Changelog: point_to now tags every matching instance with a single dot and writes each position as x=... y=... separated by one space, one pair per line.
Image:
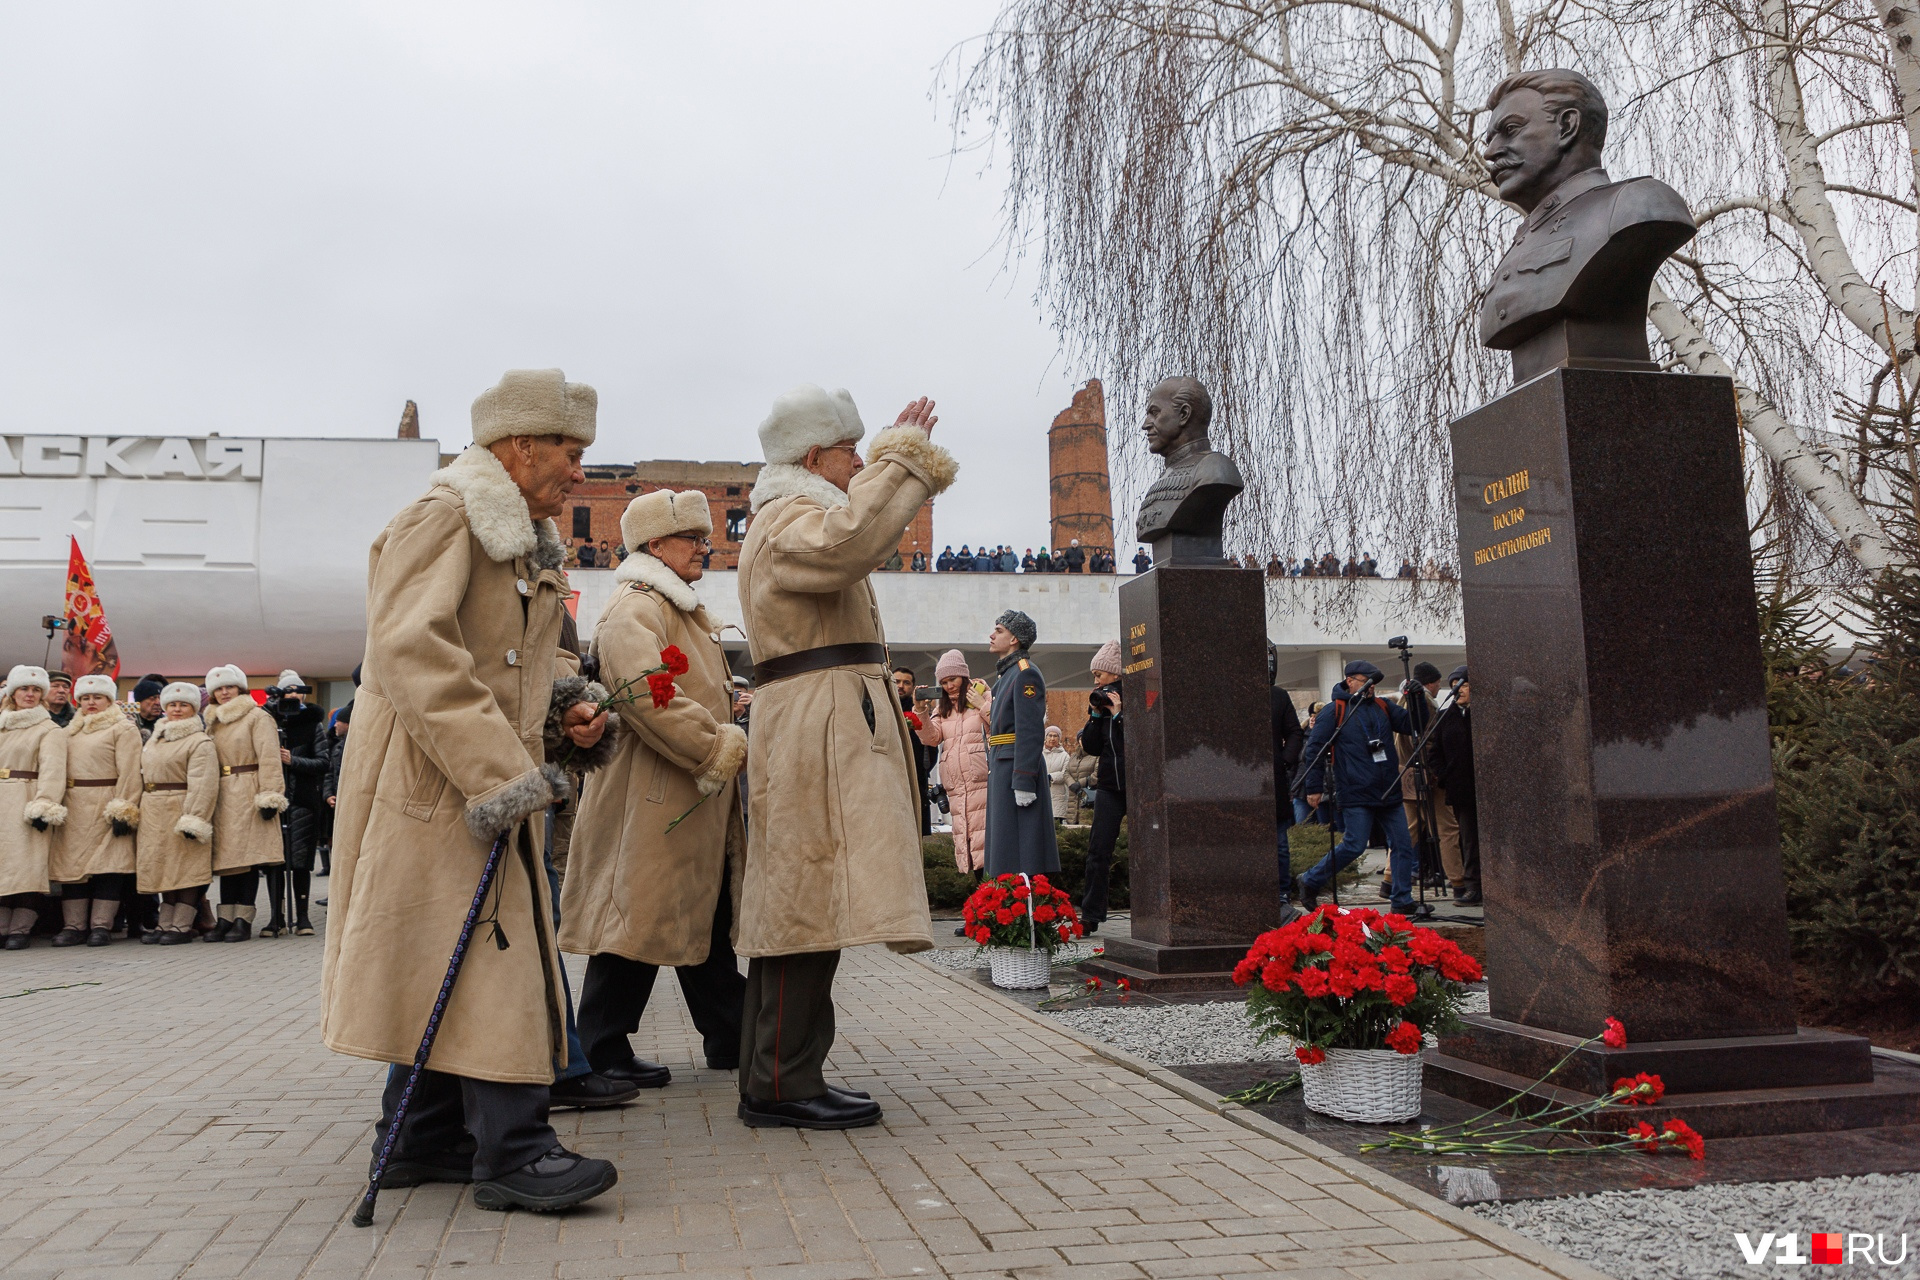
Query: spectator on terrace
x=1043 y=563
x=1406 y=568
x=1076 y=558
x=1027 y=561
x=1351 y=569
x=1009 y=562
x=919 y=561
x=1369 y=567
x=586 y=555
x=945 y=563
x=983 y=560
x=1142 y=561
x=894 y=563
x=1276 y=568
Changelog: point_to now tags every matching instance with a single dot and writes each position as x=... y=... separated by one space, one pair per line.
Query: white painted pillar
x=1330 y=668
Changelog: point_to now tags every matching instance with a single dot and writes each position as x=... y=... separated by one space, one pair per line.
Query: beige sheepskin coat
x=464 y=601
x=175 y=842
x=833 y=855
x=633 y=888
x=244 y=734
x=101 y=746
x=30 y=742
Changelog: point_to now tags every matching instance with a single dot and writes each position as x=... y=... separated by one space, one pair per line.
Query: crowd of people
x=1001 y=558
x=1330 y=565
x=123 y=814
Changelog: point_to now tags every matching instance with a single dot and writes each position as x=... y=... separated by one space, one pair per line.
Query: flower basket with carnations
x=1020 y=920
x=1357 y=990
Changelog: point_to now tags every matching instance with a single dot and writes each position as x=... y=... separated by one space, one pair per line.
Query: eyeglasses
x=696 y=539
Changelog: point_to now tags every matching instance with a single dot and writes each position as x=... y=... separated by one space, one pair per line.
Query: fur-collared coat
x=101 y=745
x=633 y=888
x=464 y=600
x=833 y=839
x=961 y=736
x=30 y=742
x=175 y=841
x=246 y=830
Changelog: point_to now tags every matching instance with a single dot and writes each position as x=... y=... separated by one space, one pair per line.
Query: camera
x=925 y=693
x=1100 y=700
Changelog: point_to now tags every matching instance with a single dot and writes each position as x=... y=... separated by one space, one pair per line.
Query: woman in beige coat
x=93 y=851
x=181 y=785
x=637 y=895
x=33 y=788
x=253 y=791
x=959 y=728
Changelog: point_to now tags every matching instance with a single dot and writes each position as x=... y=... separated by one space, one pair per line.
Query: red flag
x=88 y=648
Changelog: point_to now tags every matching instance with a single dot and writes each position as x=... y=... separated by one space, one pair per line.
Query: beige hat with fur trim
x=94 y=684
x=23 y=676
x=535 y=402
x=181 y=691
x=221 y=677
x=657 y=514
x=807 y=416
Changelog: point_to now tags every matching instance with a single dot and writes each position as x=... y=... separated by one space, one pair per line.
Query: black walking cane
x=363 y=1216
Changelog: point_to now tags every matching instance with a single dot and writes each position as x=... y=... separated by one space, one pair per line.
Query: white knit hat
x=657 y=514
x=181 y=691
x=22 y=676
x=221 y=677
x=952 y=663
x=94 y=684
x=535 y=402
x=1108 y=659
x=288 y=679
x=807 y=416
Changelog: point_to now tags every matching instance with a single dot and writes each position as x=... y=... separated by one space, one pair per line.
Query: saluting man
x=1019 y=800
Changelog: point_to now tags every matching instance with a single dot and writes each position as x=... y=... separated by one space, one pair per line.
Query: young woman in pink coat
x=959 y=729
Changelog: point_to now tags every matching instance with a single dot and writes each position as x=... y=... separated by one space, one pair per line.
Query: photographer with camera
x=1104 y=738
x=1353 y=736
x=1453 y=765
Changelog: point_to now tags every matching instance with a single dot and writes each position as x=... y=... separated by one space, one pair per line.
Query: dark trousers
x=1468 y=816
x=240 y=888
x=616 y=991
x=507 y=1123
x=787 y=1026
x=105 y=887
x=1108 y=808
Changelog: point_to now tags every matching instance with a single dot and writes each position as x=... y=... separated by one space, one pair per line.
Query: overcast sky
x=290 y=219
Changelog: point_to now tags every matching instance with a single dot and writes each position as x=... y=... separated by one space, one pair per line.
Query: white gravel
x=964 y=958
x=1177 y=1034
x=1664 y=1235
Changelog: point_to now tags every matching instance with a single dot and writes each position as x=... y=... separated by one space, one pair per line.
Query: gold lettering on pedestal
x=1501 y=490
x=1507 y=519
x=1132 y=667
x=1514 y=546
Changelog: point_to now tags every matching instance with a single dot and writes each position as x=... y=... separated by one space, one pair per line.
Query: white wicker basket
x=1018 y=969
x=1373 y=1086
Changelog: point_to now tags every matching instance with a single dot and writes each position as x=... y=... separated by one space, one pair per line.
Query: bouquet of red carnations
x=1021 y=911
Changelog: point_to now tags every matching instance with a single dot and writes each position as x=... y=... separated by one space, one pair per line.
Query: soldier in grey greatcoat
x=1020 y=835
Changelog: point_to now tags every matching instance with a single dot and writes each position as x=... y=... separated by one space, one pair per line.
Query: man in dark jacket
x=1020 y=835
x=1365 y=768
x=923 y=755
x=1076 y=558
x=1453 y=763
x=1288 y=739
x=305 y=751
x=1104 y=738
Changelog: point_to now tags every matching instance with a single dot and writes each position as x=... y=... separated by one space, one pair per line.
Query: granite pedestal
x=1630 y=852
x=1202 y=866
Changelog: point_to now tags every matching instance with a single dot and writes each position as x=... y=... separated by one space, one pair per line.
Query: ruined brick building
x=1078 y=490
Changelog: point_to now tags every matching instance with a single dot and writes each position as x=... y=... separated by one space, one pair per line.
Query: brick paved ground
x=182 y=1119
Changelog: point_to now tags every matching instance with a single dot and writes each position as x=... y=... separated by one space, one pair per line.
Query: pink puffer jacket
x=962 y=739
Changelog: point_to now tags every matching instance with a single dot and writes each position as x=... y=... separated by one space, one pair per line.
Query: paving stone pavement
x=181 y=1119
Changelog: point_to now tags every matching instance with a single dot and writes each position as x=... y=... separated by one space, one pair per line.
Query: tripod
x=1420 y=710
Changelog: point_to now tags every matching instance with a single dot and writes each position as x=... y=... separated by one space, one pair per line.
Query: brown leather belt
x=824 y=658
x=227 y=770
x=18 y=775
x=93 y=782
x=166 y=786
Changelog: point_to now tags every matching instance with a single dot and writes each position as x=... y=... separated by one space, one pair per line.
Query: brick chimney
x=410 y=422
x=1077 y=472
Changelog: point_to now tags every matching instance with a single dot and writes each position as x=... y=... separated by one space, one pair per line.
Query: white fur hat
x=22 y=676
x=807 y=416
x=535 y=402
x=94 y=684
x=181 y=691
x=657 y=514
x=221 y=677
x=288 y=679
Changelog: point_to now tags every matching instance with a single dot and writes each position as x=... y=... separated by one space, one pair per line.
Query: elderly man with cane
x=833 y=842
x=464 y=696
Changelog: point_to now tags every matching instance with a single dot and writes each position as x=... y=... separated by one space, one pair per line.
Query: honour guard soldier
x=1020 y=834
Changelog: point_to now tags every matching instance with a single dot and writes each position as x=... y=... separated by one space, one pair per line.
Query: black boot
x=302 y=885
x=276 y=895
x=558 y=1180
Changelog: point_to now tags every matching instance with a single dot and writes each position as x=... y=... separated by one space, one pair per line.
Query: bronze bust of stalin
x=1181 y=513
x=1572 y=290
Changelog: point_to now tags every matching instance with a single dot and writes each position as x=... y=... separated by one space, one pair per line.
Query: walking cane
x=363 y=1216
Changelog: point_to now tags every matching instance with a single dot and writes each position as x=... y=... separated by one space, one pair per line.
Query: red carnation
x=1460 y=966
x=660 y=685
x=1401 y=989
x=1004 y=916
x=1642 y=1090
x=981 y=934
x=1645 y=1136
x=1244 y=972
x=1313 y=982
x=1042 y=915
x=1615 y=1036
x=913 y=719
x=674 y=660
x=1404 y=1038
x=1275 y=978
x=1681 y=1134
x=1123 y=984
x=1310 y=1054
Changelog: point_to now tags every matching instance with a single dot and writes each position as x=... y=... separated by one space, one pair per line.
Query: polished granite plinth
x=1201 y=845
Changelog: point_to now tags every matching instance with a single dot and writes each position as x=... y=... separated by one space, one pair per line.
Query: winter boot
x=176 y=923
x=242 y=927
x=20 y=924
x=302 y=885
x=104 y=911
x=276 y=895
x=73 y=923
x=223 y=921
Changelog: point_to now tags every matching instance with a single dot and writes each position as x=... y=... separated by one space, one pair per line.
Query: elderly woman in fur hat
x=466 y=702
x=253 y=791
x=639 y=895
x=181 y=784
x=93 y=852
x=33 y=788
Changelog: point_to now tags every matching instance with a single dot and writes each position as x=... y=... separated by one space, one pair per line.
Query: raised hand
x=919 y=414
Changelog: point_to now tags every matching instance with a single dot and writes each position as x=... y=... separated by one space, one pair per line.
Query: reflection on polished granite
x=1468 y=1179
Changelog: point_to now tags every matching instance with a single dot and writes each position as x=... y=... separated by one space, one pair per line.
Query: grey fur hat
x=1021 y=625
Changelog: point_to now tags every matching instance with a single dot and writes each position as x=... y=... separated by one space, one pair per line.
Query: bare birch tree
x=1286 y=198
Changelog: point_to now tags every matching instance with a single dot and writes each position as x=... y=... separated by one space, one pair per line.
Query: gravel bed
x=963 y=958
x=1665 y=1235
x=1177 y=1034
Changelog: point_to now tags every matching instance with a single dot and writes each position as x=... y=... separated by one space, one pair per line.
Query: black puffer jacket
x=1106 y=737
